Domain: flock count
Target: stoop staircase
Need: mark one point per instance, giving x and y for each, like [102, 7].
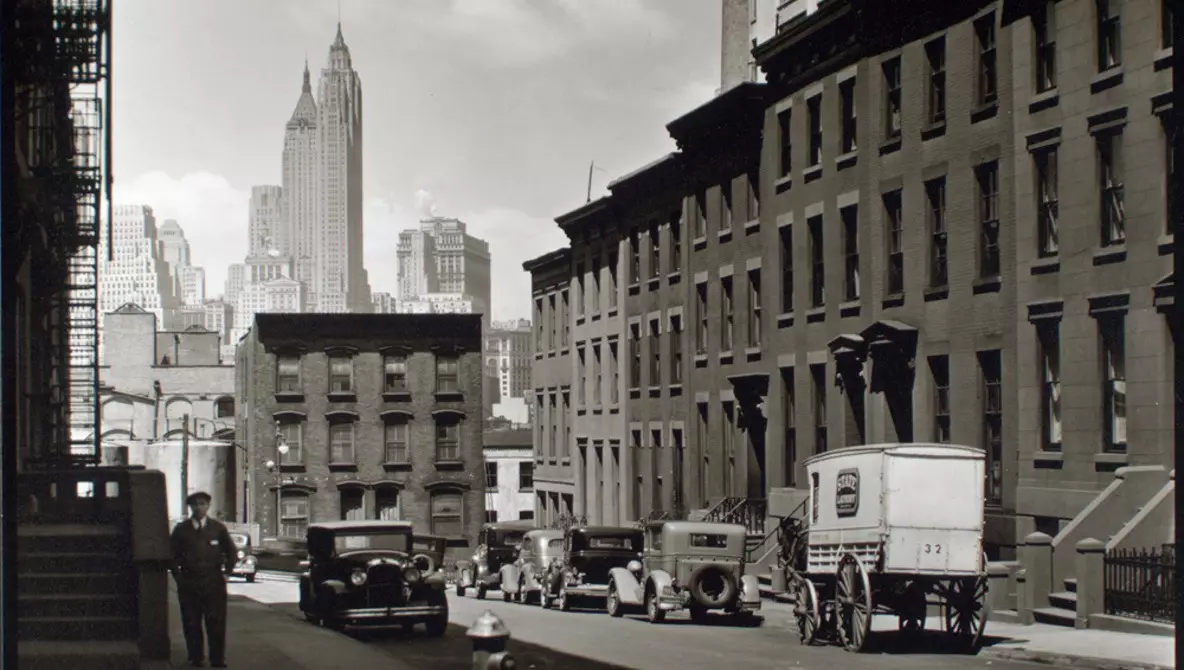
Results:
[1062, 606]
[79, 583]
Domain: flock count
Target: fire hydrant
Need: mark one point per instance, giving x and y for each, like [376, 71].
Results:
[490, 636]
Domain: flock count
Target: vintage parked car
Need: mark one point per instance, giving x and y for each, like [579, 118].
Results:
[245, 564]
[497, 545]
[523, 579]
[428, 552]
[589, 553]
[694, 565]
[283, 554]
[361, 576]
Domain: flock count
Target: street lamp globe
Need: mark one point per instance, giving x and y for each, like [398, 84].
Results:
[270, 465]
[282, 448]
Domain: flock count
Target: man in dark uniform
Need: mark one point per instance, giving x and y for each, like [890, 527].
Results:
[203, 557]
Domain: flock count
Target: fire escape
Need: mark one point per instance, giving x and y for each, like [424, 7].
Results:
[78, 185]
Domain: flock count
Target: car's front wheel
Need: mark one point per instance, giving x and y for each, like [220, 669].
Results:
[564, 600]
[480, 592]
[612, 604]
[437, 625]
[654, 613]
[251, 578]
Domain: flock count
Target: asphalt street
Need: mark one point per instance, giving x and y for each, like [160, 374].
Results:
[586, 640]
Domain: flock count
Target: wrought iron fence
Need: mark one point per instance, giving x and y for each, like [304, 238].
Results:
[1141, 583]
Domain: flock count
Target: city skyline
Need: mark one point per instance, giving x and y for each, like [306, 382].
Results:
[491, 169]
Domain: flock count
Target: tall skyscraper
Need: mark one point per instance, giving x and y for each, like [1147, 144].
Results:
[267, 229]
[138, 272]
[339, 278]
[301, 204]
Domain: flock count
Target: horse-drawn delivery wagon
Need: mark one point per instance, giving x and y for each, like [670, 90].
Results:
[887, 526]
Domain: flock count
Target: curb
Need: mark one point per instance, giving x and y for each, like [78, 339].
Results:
[1065, 660]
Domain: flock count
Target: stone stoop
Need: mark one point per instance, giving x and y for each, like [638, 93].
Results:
[77, 602]
[1062, 609]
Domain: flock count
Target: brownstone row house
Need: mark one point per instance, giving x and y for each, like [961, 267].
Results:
[876, 245]
[380, 415]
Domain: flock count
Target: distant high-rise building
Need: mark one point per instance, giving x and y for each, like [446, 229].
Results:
[137, 272]
[174, 246]
[417, 264]
[508, 357]
[193, 284]
[267, 230]
[383, 302]
[235, 280]
[443, 258]
[301, 163]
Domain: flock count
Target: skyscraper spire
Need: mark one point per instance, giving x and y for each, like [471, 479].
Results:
[307, 85]
[339, 41]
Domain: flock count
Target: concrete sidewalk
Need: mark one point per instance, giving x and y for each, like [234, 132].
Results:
[1045, 644]
[259, 637]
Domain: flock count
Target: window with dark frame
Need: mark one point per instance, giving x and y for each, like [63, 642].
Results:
[1048, 342]
[396, 435]
[935, 52]
[704, 318]
[447, 374]
[1109, 35]
[1168, 34]
[566, 331]
[1044, 38]
[754, 307]
[725, 206]
[596, 378]
[935, 194]
[785, 156]
[1047, 202]
[538, 323]
[224, 408]
[891, 69]
[581, 297]
[294, 514]
[287, 374]
[394, 373]
[817, 259]
[754, 195]
[1111, 196]
[894, 219]
[447, 438]
[727, 314]
[614, 373]
[581, 376]
[291, 433]
[675, 350]
[850, 217]
[634, 257]
[655, 352]
[988, 82]
[729, 429]
[553, 331]
[675, 241]
[987, 176]
[353, 504]
[992, 394]
[939, 370]
[788, 412]
[446, 510]
[786, 237]
[613, 260]
[341, 441]
[818, 380]
[1112, 332]
[1168, 126]
[341, 374]
[814, 117]
[655, 251]
[525, 476]
[386, 503]
[491, 475]
[701, 213]
[594, 298]
[850, 123]
[635, 356]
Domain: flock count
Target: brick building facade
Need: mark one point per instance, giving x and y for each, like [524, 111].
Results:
[381, 414]
[857, 259]
[551, 375]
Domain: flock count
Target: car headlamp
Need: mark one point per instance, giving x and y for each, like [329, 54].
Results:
[634, 566]
[357, 578]
[241, 554]
[249, 560]
[412, 576]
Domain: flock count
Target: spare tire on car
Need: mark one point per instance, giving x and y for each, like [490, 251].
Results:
[425, 563]
[712, 586]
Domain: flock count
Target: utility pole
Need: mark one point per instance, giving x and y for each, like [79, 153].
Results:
[590, 167]
[184, 462]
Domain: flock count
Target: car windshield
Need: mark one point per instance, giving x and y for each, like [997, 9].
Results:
[508, 538]
[240, 540]
[380, 541]
[611, 543]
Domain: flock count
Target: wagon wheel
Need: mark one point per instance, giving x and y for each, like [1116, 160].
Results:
[966, 611]
[912, 610]
[853, 600]
[805, 610]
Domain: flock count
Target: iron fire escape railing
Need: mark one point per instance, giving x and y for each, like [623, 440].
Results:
[83, 54]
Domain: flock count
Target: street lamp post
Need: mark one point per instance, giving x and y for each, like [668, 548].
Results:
[275, 466]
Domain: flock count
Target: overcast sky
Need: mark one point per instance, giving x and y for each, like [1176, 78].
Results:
[490, 109]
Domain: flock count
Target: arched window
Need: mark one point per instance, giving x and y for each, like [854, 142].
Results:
[224, 408]
[447, 513]
[175, 412]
